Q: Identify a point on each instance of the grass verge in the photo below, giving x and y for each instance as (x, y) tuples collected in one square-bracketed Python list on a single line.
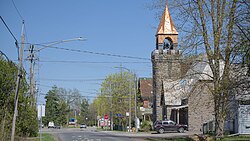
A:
[(227, 138), (46, 137)]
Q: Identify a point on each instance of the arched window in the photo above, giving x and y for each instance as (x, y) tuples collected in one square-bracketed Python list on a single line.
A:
[(168, 43)]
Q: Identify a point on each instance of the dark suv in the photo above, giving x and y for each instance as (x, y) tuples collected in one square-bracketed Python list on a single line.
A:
[(169, 125)]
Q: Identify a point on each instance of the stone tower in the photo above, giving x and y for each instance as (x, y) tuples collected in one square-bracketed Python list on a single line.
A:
[(165, 62)]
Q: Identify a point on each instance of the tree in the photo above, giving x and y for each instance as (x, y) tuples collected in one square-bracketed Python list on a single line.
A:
[(211, 28), (84, 113), (26, 125), (114, 96), (73, 99)]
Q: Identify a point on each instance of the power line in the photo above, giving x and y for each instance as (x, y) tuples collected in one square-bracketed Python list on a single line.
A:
[(91, 52), (118, 97), (92, 93), (92, 62), (17, 10), (69, 80), (21, 17), (9, 30)]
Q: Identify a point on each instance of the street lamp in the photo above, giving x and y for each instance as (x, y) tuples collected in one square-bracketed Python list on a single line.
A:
[(32, 51), (130, 86), (31, 58), (62, 41)]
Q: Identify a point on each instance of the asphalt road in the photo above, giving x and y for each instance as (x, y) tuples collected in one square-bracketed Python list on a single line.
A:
[(91, 134)]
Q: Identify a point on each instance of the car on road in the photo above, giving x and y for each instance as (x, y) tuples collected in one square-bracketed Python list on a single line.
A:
[(83, 126), (51, 125), (169, 125), (57, 127), (41, 125)]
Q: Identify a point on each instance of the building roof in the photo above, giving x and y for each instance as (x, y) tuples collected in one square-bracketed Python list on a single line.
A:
[(166, 25), (146, 88)]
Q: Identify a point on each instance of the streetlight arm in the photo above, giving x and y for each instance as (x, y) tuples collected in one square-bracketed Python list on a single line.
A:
[(63, 41)]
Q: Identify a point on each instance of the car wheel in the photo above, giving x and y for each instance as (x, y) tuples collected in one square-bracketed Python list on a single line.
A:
[(181, 130), (161, 130)]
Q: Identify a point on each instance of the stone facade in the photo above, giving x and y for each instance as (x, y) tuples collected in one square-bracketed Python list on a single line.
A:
[(166, 65), (165, 61), (200, 106)]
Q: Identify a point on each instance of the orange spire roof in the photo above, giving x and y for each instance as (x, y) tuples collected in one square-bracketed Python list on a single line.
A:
[(166, 25)]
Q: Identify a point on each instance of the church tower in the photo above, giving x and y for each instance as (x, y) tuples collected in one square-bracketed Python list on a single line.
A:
[(165, 62)]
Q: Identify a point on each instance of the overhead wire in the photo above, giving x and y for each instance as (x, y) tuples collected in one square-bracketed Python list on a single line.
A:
[(9, 30), (21, 17), (92, 52), (93, 93), (17, 10), (69, 80), (118, 97), (93, 62)]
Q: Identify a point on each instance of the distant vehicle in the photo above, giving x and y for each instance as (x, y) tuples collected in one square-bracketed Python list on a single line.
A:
[(169, 125), (72, 121), (51, 125), (41, 125), (83, 126), (57, 126)]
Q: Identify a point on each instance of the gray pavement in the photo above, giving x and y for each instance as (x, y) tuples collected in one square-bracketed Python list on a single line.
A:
[(92, 134)]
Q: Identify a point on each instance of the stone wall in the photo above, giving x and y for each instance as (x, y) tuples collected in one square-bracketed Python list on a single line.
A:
[(200, 106), (166, 65)]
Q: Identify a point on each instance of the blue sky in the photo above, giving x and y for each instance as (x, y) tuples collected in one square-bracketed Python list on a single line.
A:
[(121, 27)]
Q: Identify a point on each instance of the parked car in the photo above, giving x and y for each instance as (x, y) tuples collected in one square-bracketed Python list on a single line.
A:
[(51, 125), (169, 125), (41, 125), (57, 126), (83, 126)]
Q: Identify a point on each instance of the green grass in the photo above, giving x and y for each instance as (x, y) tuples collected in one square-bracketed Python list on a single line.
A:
[(237, 138), (234, 138), (46, 137), (170, 139)]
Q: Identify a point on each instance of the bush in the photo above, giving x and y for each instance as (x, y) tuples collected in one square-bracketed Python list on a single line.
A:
[(146, 126)]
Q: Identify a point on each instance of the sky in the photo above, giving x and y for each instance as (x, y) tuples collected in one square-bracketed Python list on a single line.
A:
[(117, 28)]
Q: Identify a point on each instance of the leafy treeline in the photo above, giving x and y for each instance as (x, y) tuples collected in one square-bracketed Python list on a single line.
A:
[(62, 104), (26, 123), (115, 97)]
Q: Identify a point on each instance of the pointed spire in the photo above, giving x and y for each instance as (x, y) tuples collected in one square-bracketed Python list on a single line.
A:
[(166, 25)]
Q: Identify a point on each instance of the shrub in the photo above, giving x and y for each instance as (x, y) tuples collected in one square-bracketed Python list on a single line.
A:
[(146, 126)]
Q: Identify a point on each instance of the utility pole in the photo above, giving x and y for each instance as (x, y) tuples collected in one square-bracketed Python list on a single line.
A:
[(135, 103), (19, 77), (111, 108), (32, 84), (130, 93)]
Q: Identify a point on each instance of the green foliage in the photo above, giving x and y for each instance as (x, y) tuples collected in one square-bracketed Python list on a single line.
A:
[(114, 97), (26, 123), (46, 137), (84, 114), (56, 107), (146, 126)]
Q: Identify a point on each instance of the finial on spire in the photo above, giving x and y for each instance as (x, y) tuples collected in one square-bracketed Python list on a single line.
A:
[(166, 25)]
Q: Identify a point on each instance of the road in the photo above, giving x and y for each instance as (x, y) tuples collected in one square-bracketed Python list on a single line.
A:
[(91, 134)]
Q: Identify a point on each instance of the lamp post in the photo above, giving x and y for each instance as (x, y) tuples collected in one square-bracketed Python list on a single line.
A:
[(33, 51), (62, 41), (130, 99), (32, 54)]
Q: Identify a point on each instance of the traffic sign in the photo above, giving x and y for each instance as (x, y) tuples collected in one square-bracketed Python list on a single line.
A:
[(106, 116)]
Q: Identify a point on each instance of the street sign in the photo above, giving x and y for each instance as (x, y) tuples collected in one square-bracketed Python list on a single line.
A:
[(127, 114), (106, 116), (41, 111), (118, 115)]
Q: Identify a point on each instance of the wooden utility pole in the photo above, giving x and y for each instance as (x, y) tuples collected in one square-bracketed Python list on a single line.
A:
[(32, 84), (19, 77)]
